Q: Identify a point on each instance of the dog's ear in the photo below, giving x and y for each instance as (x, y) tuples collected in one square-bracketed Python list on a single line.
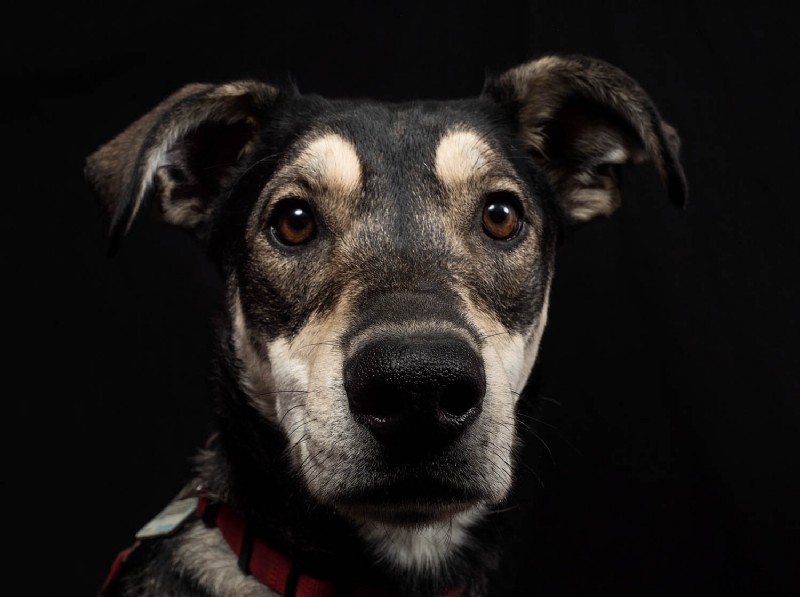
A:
[(182, 152), (583, 118)]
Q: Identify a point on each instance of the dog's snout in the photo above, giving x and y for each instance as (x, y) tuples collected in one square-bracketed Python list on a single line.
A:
[(415, 393)]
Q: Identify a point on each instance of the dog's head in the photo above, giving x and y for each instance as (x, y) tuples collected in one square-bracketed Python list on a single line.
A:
[(388, 266)]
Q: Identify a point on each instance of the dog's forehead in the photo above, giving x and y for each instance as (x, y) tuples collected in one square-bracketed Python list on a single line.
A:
[(396, 154), (392, 130)]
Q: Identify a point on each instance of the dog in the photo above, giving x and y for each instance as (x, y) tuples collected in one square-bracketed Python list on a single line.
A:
[(386, 270)]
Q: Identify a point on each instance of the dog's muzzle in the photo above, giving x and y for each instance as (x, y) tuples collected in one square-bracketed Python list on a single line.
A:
[(415, 395)]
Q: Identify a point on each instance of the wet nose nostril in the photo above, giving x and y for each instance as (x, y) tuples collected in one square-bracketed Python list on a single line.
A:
[(459, 399), (376, 399), (407, 390)]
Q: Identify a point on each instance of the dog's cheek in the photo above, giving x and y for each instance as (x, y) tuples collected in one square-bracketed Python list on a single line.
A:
[(497, 427), (273, 378), (519, 351), (509, 358), (255, 372), (324, 448), (315, 415), (290, 378), (329, 454)]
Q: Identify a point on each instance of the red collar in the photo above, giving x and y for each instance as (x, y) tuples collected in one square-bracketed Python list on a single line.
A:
[(273, 569)]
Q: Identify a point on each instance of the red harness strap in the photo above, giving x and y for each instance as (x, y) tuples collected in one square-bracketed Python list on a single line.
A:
[(273, 569), (264, 563), (118, 561)]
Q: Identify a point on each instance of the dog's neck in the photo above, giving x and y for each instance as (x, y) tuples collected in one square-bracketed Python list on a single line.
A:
[(247, 467)]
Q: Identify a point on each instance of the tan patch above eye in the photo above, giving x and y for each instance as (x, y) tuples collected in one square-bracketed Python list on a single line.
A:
[(331, 162), (461, 156)]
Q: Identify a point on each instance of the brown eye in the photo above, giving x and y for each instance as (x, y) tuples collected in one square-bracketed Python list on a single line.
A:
[(501, 216), (292, 222)]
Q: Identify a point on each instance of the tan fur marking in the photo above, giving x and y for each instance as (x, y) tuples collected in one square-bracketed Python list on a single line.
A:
[(465, 161), (331, 162), (461, 156)]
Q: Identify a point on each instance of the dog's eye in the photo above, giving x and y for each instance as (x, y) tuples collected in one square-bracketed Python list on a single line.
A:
[(292, 222), (501, 215)]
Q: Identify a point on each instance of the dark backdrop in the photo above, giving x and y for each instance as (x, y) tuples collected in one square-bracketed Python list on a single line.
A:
[(668, 376)]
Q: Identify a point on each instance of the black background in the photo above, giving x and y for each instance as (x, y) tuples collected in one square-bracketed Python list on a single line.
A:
[(670, 364)]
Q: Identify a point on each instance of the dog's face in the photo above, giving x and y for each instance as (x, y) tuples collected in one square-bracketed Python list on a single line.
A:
[(388, 304), (388, 265)]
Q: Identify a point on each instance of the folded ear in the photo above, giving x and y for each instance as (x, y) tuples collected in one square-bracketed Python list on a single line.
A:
[(583, 118), (183, 152)]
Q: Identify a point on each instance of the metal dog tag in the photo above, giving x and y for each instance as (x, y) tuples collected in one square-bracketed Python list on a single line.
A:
[(168, 519)]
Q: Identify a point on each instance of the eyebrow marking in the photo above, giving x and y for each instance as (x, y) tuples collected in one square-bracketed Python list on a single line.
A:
[(461, 156), (330, 162)]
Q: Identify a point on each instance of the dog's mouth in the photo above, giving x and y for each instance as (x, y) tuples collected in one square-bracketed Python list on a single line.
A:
[(410, 501), (406, 514)]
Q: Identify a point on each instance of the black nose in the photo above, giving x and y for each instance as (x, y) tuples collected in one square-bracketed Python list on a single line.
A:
[(415, 392)]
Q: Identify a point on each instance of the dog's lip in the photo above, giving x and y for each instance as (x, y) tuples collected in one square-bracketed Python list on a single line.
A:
[(413, 489), (410, 500), (407, 514)]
